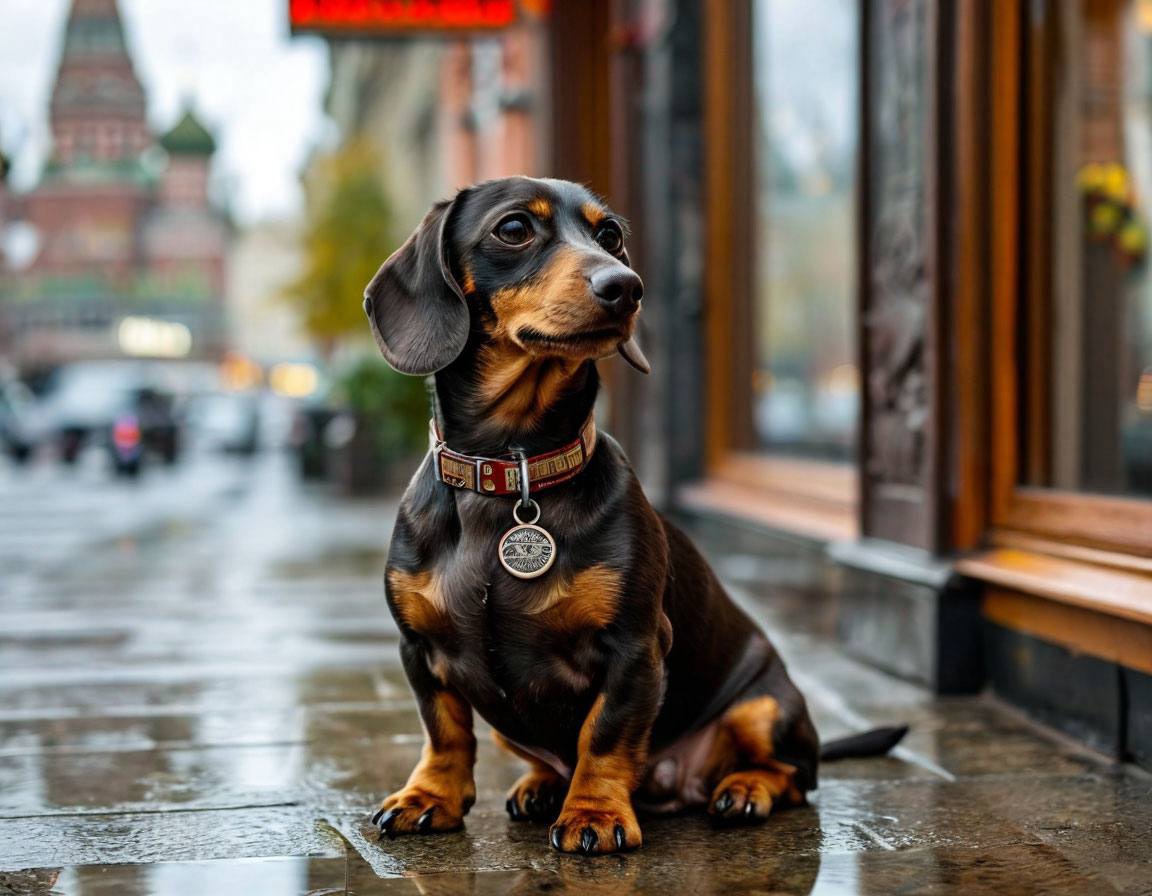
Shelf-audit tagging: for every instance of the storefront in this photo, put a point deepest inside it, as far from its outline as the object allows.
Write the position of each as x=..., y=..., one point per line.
x=901, y=318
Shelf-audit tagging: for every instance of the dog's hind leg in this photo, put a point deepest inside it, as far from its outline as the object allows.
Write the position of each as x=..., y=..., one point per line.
x=750, y=776
x=539, y=793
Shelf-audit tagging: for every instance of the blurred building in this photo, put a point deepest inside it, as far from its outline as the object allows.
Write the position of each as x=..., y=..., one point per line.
x=5, y=170
x=123, y=220
x=389, y=94
x=261, y=327
x=443, y=113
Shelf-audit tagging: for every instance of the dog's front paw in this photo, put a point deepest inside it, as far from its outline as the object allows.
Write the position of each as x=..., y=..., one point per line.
x=596, y=829
x=414, y=810
x=537, y=796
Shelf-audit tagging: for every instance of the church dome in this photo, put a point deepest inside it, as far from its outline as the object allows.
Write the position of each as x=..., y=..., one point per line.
x=188, y=138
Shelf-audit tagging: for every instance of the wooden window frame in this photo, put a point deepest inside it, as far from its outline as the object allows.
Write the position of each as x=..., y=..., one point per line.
x=815, y=498
x=1117, y=530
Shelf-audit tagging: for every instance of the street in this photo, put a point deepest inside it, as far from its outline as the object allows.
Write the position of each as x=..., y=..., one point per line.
x=200, y=694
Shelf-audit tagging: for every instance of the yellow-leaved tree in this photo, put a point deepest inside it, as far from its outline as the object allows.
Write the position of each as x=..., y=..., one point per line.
x=347, y=233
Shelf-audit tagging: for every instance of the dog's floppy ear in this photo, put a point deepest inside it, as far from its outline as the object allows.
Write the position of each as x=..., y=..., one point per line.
x=414, y=305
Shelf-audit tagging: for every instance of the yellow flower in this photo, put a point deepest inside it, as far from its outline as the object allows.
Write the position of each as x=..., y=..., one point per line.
x=1091, y=177
x=1105, y=217
x=1116, y=183
x=1133, y=239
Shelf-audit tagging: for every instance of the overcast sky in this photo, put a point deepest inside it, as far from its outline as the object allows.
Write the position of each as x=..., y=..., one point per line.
x=257, y=88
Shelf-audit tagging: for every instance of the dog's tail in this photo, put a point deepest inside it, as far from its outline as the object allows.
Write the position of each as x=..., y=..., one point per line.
x=876, y=742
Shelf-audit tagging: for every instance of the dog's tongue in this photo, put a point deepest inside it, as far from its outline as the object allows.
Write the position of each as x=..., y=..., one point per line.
x=630, y=352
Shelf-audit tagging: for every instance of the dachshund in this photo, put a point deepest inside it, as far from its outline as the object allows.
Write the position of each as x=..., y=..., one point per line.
x=531, y=580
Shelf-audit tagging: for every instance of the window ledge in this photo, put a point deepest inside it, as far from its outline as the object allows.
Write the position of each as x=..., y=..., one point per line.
x=823, y=521
x=1125, y=594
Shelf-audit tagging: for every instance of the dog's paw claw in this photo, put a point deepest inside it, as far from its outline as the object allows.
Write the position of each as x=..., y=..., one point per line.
x=415, y=811
x=594, y=831
x=742, y=798
x=386, y=820
x=537, y=796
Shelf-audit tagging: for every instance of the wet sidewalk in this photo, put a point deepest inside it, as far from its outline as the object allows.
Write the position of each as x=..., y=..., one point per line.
x=200, y=694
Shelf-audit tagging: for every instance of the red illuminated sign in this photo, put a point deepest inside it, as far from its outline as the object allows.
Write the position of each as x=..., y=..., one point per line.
x=390, y=17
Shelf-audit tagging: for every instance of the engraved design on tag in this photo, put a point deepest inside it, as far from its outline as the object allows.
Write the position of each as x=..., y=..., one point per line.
x=527, y=551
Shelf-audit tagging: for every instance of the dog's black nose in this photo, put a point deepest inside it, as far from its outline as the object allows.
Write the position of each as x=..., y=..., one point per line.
x=618, y=289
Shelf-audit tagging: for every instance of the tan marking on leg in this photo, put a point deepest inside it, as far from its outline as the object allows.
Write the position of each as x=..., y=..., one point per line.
x=598, y=814
x=442, y=782
x=750, y=779
x=750, y=726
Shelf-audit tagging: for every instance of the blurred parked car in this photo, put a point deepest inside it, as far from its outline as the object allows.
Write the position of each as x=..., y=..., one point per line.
x=22, y=426
x=307, y=437
x=227, y=421
x=113, y=405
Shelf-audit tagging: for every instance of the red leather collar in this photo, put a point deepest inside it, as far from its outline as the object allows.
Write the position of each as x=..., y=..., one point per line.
x=501, y=476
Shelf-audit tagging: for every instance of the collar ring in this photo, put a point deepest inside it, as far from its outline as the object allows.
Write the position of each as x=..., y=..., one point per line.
x=525, y=484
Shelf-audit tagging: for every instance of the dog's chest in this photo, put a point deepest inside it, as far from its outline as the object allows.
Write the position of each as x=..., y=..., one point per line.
x=501, y=640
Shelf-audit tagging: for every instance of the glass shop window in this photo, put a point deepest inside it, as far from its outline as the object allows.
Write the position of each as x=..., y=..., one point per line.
x=804, y=377
x=1088, y=424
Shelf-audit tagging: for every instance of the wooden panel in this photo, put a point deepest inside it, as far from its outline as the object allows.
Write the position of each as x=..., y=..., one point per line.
x=899, y=349
x=968, y=343
x=1036, y=156
x=1009, y=538
x=1107, y=591
x=1122, y=524
x=728, y=174
x=581, y=139
x=1003, y=138
x=1120, y=641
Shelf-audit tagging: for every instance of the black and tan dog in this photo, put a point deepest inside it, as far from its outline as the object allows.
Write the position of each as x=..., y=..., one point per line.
x=599, y=645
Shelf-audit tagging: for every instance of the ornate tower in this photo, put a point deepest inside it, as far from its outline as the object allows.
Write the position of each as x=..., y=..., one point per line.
x=185, y=237
x=98, y=104
x=88, y=206
x=190, y=148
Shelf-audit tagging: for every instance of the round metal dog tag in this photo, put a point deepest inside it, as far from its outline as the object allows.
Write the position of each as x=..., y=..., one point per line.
x=527, y=551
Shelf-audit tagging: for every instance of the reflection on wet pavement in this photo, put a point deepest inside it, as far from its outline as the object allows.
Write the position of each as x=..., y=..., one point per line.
x=202, y=695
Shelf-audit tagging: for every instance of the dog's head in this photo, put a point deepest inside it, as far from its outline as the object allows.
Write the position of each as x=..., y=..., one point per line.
x=539, y=266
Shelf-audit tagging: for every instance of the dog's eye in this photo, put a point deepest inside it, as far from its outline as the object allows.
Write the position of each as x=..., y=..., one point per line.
x=610, y=238
x=514, y=230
